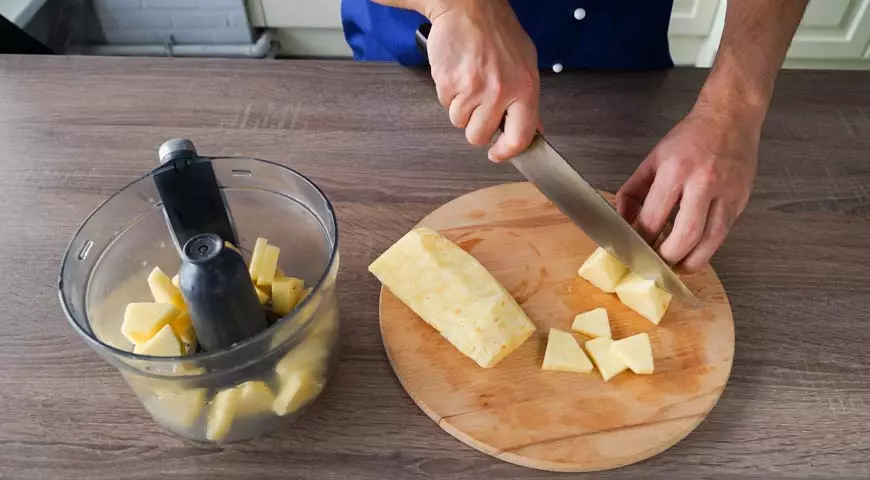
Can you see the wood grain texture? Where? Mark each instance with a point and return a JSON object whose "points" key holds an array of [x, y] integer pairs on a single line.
{"points": [[553, 420], [796, 267]]}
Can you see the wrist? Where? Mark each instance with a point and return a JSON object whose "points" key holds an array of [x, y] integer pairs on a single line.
{"points": [[733, 102], [432, 9]]}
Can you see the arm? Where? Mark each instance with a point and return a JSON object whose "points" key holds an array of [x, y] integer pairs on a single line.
{"points": [[707, 163], [754, 42], [485, 67]]}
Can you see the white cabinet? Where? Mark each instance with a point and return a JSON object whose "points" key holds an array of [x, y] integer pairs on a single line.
{"points": [[692, 22], [305, 28], [832, 34]]}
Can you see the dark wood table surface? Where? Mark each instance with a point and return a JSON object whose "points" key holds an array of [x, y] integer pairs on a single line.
{"points": [[796, 267]]}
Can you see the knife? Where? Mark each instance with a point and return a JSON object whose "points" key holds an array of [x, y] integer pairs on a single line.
{"points": [[542, 165]]}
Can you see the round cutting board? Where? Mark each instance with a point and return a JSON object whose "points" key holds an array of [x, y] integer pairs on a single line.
{"points": [[553, 420]]}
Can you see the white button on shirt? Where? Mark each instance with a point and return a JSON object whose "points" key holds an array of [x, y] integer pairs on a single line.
{"points": [[580, 13], [557, 67]]}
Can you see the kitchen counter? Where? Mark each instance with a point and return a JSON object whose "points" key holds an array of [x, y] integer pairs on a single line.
{"points": [[74, 130]]}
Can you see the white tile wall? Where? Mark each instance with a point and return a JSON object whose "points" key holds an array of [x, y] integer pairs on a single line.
{"points": [[185, 21]]}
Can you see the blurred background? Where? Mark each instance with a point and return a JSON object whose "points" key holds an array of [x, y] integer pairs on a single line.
{"points": [[833, 33]]}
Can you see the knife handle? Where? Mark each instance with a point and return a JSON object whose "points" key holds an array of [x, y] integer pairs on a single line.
{"points": [[421, 36]]}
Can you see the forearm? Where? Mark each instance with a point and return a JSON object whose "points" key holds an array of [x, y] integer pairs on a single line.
{"points": [[755, 39]]}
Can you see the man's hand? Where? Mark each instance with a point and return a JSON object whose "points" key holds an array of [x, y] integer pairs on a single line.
{"points": [[485, 67], [706, 164]]}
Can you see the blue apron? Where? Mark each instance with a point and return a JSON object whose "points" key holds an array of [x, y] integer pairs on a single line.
{"points": [[600, 34]]}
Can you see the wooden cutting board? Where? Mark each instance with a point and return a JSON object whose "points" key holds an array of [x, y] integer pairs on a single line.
{"points": [[553, 420]]}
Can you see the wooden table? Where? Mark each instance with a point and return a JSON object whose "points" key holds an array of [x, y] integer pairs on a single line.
{"points": [[796, 268]]}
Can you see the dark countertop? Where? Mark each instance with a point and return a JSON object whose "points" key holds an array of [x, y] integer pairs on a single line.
{"points": [[73, 130]]}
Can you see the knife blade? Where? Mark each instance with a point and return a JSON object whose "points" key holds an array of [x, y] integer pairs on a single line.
{"points": [[557, 180], [542, 165]]}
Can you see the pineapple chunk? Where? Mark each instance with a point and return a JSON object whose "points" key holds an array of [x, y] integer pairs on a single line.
{"points": [[262, 296], [608, 365], [644, 297], [593, 323], [602, 270], [143, 320], [254, 397], [257, 255], [222, 413], [163, 290], [285, 292], [305, 293], [636, 352], [297, 391], [264, 263], [249, 398], [163, 344], [564, 355], [455, 294], [270, 260], [183, 328], [310, 356], [188, 368], [180, 408], [176, 281], [232, 247]]}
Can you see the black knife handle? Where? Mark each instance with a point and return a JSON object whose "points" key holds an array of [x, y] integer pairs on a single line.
{"points": [[421, 36]]}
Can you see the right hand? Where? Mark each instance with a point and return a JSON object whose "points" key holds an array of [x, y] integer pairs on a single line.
{"points": [[485, 67]]}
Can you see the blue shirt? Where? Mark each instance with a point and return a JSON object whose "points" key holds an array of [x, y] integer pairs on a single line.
{"points": [[609, 34]]}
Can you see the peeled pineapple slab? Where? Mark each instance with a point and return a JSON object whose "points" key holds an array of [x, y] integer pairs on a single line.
{"points": [[455, 294]]}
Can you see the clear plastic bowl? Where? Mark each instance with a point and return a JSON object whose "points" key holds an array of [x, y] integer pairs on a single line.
{"points": [[257, 385]]}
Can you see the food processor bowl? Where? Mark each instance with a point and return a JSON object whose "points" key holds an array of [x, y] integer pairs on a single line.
{"points": [[257, 384]]}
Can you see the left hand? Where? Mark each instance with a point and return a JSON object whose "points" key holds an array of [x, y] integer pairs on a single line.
{"points": [[707, 165]]}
